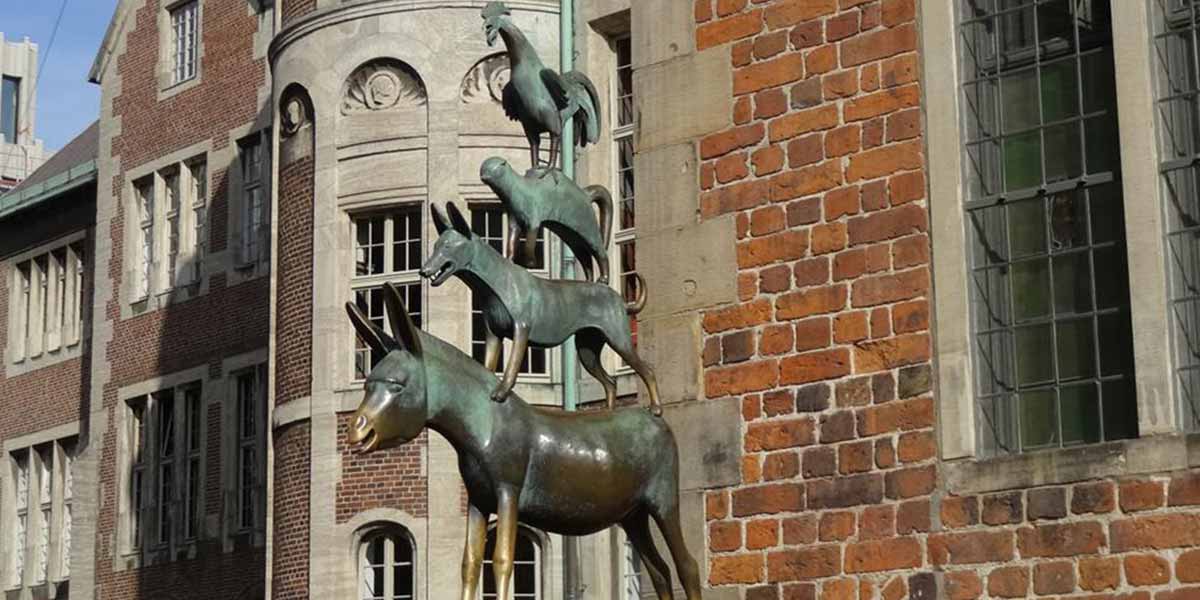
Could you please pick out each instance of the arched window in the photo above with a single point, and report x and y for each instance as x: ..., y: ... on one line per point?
x: 387, y: 566
x: 527, y: 568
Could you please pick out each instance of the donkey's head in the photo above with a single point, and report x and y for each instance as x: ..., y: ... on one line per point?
x: 455, y: 247
x: 394, y: 408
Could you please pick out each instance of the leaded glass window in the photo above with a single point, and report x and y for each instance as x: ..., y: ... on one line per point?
x: 1048, y: 274
x: 388, y: 248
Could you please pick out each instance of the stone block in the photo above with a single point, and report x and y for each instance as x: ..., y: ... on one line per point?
x: 689, y: 268
x: 671, y: 344
x: 704, y: 78
x: 665, y: 31
x: 671, y: 190
x: 708, y: 456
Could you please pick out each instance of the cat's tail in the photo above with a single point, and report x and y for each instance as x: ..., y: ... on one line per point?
x: 637, y: 305
x: 601, y: 197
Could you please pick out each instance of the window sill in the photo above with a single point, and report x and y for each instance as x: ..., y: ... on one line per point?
x: 1154, y: 454
x: 173, y: 89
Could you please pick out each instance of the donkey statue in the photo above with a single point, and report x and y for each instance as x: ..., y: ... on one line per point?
x: 566, y: 473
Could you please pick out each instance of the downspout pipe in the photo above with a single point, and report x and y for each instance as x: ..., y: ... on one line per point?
x: 572, y: 575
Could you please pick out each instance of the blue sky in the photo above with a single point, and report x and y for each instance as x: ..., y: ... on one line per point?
x: 67, y: 103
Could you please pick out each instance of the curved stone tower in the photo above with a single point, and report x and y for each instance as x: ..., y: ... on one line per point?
x: 383, y: 106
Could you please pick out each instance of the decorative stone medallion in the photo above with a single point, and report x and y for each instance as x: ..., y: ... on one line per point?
x: 486, y: 80
x: 383, y: 84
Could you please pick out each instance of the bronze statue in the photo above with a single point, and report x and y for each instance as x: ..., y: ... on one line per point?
x: 572, y: 474
x: 534, y: 311
x: 541, y: 99
x: 557, y: 204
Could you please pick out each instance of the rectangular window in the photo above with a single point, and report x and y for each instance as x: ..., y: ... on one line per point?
x: 45, y: 459
x: 185, y: 28
x: 198, y: 172
x: 1179, y: 134
x: 164, y: 434
x: 47, y: 310
x: 137, y: 469
x: 623, y: 130
x: 145, y: 204
x: 489, y: 222
x: 21, y: 504
x: 251, y: 464
x: 631, y: 572
x: 42, y: 486
x: 255, y: 227
x: 164, y: 408
x: 387, y: 248
x: 10, y: 108
x: 171, y: 186
x: 193, y: 411
x: 1052, y: 340
x: 78, y: 294
x: 20, y: 321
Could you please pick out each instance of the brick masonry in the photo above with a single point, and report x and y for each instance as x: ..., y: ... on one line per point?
x: 294, y: 294
x: 229, y: 319
x: 289, y: 562
x: 392, y: 478
x: 829, y: 346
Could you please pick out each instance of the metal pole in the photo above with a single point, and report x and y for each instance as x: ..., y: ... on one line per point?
x: 570, y: 369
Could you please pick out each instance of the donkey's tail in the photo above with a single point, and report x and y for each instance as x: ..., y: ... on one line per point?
x: 601, y: 197
x: 637, y: 305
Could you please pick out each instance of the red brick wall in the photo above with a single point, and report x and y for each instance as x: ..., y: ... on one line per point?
x: 293, y: 473
x: 384, y: 479
x: 226, y: 321
x: 828, y: 348
x: 294, y: 287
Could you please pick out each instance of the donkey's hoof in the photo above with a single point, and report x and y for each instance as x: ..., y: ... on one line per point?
x: 656, y: 410
x: 499, y: 395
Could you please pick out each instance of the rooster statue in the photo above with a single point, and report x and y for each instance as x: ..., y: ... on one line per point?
x: 541, y: 99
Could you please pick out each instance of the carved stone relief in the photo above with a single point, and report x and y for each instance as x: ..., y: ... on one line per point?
x: 486, y: 80
x: 383, y: 84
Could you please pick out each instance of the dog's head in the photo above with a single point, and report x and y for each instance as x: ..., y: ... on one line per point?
x: 454, y: 249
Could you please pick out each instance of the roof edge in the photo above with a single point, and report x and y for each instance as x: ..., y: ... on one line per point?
x: 104, y: 52
x: 75, y: 177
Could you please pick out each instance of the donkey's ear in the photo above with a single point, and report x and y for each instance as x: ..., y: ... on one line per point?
x: 372, y: 335
x: 439, y: 219
x: 460, y: 222
x: 404, y: 330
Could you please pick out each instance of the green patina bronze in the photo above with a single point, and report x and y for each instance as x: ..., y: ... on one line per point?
x: 567, y: 473
x: 537, y: 312
x: 558, y: 204
x: 540, y: 98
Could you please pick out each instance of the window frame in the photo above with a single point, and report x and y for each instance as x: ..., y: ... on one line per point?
x: 45, y: 320
x: 257, y: 373
x: 624, y: 236
x: 538, y: 541
x: 17, y: 84
x: 1156, y: 413
x: 253, y: 249
x: 405, y: 279
x: 167, y: 239
x: 391, y: 534
x: 184, y: 57
x: 151, y: 524
x: 40, y: 554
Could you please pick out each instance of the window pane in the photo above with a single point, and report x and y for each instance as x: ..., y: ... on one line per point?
x: 10, y: 107
x: 1039, y: 98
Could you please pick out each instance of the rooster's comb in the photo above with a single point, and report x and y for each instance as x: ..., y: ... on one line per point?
x: 495, y: 9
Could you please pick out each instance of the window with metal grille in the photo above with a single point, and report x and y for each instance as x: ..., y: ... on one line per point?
x: 631, y: 572
x: 17, y: 542
x: 527, y: 567
x: 388, y: 567
x: 489, y: 222
x: 1049, y: 282
x: 185, y: 29
x: 38, y: 544
x: 1178, y: 96
x: 388, y: 248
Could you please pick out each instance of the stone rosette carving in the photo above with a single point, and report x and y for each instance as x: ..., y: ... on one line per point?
x: 383, y: 84
x: 486, y: 80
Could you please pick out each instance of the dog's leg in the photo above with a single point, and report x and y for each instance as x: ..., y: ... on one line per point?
x: 473, y: 552
x: 589, y: 348
x: 519, y: 347
x: 491, y: 356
